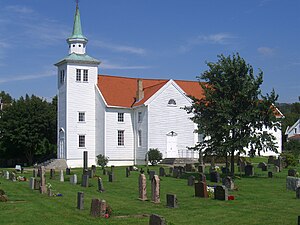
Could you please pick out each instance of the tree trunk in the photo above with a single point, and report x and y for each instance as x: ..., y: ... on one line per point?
x: 226, y: 165
x: 232, y: 162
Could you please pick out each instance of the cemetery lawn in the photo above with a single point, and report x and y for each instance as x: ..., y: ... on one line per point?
x: 259, y: 200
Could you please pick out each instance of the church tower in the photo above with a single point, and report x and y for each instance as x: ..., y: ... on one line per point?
x: 77, y: 80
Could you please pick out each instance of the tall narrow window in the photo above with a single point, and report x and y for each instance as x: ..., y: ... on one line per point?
x: 85, y: 76
x: 62, y: 77
x: 139, y: 117
x: 139, y: 138
x: 78, y: 75
x: 81, y: 116
x: 120, y: 137
x: 120, y: 117
x: 81, y: 141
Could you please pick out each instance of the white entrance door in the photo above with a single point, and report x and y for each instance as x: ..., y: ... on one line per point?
x: 61, y: 149
x: 172, y: 151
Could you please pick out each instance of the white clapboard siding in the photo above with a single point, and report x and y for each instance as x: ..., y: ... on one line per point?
x: 100, y: 123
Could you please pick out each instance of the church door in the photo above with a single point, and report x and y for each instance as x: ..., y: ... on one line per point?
x: 172, y: 151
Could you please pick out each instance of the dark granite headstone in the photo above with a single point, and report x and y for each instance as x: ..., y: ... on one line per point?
x: 176, y: 172
x: 249, y: 170
x: 100, y: 185
x: 270, y: 174
x: 162, y: 172
x: 172, y: 201
x: 111, y: 177
x: 157, y: 220
x: 201, y: 190
x: 191, y: 181
x: 127, y: 171
x: 221, y: 193
x: 68, y: 171
x: 130, y: 168
x: 80, y: 200
x: 188, y: 167
x: 292, y: 172
x: 91, y: 173
x: 85, y: 160
x: 52, y: 173
x: 85, y: 181
x: 215, y: 177
x: 201, y: 168
x: 94, y: 169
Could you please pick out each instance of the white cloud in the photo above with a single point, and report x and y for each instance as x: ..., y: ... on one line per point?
x: 19, y: 9
x: 119, y: 48
x: 266, y: 51
x: 26, y: 77
x: 107, y: 65
x: 219, y: 38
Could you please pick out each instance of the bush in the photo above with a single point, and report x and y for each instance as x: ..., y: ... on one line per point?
x: 293, y: 147
x: 102, y: 160
x: 289, y: 159
x: 154, y: 155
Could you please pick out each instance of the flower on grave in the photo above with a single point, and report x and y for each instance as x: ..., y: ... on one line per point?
x: 49, y: 186
x: 210, y: 192
x: 230, y: 197
x: 217, y: 168
x: 106, y: 215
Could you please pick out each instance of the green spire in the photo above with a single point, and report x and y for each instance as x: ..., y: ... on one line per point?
x: 77, y: 31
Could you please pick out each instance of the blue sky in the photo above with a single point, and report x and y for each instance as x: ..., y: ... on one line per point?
x: 150, y: 39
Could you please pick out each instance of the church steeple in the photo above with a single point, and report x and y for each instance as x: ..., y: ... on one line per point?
x: 77, y: 41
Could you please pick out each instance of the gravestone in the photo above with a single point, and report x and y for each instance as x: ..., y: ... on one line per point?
x: 172, y: 201
x: 127, y: 172
x: 49, y: 192
x: 298, y: 192
x: 292, y: 183
x: 201, y: 190
x: 188, y: 167
x: 35, y: 173
x: 18, y: 168
x: 61, y: 176
x: 181, y: 170
x: 176, y: 172
x: 85, y: 181
x: 111, y: 177
x: 112, y: 168
x: 157, y: 220
x: 36, y: 184
x: 91, y: 173
x: 221, y: 193
x: 270, y: 174
x: 31, y: 183
x: 52, y: 173
x: 155, y: 189
x: 162, y: 172
x: 104, y: 171
x: 98, y: 207
x: 6, y: 175
x: 43, y: 188
x: 68, y: 171
x: 80, y: 200
x: 191, y: 181
x: 292, y: 172
x: 202, y: 177
x: 73, y: 179
x: 94, y: 168
x: 130, y: 168
x: 142, y: 187
x: 228, y: 183
x: 276, y: 169
x: 249, y: 170
x: 260, y: 165
x: 151, y: 174
x: 279, y: 162
x: 264, y: 167
x: 100, y: 185
x: 85, y: 161
x: 13, y: 177
x: 271, y: 160
x: 201, y: 168
x: 225, y: 170
x: 215, y: 177
x: 171, y: 170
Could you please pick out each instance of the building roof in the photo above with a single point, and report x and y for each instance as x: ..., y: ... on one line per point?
x: 121, y: 91
x: 295, y: 137
x: 77, y: 31
x: 78, y: 58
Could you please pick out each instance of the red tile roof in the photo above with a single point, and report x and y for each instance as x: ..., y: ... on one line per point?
x: 295, y: 137
x: 121, y: 91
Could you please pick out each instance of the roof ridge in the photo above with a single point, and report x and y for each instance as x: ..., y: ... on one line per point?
x: 134, y: 78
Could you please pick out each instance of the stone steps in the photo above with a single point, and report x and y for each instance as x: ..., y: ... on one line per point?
x: 178, y: 161
x: 54, y: 164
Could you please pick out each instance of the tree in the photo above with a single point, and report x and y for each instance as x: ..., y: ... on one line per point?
x: 28, y: 128
x: 102, y: 160
x: 233, y: 112
x: 154, y: 155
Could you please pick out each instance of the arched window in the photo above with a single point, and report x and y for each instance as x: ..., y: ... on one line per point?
x: 172, y: 102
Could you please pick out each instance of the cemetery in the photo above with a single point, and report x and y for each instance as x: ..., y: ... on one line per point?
x: 122, y: 195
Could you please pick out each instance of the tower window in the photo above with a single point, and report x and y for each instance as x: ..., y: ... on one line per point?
x: 120, y: 117
x: 139, y: 138
x: 81, y: 141
x: 120, y: 137
x: 81, y: 116
x: 139, y: 117
x: 172, y: 102
x: 62, y: 76
x: 78, y: 75
x: 85, y: 76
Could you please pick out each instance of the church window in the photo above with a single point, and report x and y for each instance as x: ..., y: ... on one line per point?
x: 120, y: 137
x: 85, y: 76
x: 73, y: 46
x: 81, y: 116
x: 79, y: 46
x: 139, y: 117
x: 139, y: 138
x: 120, y: 117
x: 78, y: 75
x: 81, y: 141
x: 172, y: 102
x: 62, y: 76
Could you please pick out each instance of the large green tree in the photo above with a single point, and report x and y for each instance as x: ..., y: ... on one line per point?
x: 28, y: 128
x: 233, y: 114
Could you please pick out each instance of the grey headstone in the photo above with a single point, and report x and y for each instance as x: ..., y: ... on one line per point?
x: 191, y: 181
x: 31, y: 183
x: 94, y: 168
x: 298, y: 192
x: 172, y: 201
x: 228, y: 183
x: 100, y: 185
x: 151, y: 174
x: 221, y: 193
x: 6, y: 175
x: 292, y: 183
x: 80, y: 200
x: 111, y: 177
x: 61, y: 176
x: 73, y: 179
x: 162, y: 172
x: 35, y: 173
x: 215, y: 177
x: 85, y: 181
x: 292, y: 172
x: 127, y: 172
x: 249, y: 170
x: 157, y: 220
x: 91, y: 173
x: 276, y: 169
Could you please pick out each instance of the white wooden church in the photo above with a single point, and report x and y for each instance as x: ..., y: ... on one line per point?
x: 120, y: 117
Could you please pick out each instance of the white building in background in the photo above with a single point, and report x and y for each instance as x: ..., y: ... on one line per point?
x: 120, y: 117
x: 293, y: 132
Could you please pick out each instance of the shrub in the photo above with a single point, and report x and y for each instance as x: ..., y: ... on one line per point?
x: 154, y: 155
x: 293, y: 147
x: 289, y: 159
x: 102, y: 160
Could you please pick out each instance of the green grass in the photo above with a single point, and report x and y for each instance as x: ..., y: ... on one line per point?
x: 259, y: 200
